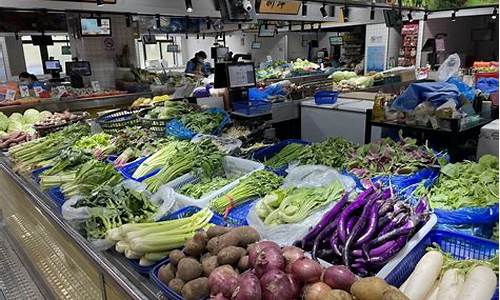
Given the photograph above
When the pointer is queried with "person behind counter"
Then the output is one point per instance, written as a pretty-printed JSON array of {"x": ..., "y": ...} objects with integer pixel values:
[
  {"x": 27, "y": 78},
  {"x": 197, "y": 65}
]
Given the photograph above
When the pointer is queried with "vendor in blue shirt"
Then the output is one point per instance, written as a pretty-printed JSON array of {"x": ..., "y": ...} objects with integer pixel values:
[
  {"x": 28, "y": 79},
  {"x": 197, "y": 65}
]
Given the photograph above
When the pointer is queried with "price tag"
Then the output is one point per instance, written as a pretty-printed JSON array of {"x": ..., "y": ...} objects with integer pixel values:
[
  {"x": 25, "y": 91},
  {"x": 96, "y": 86},
  {"x": 10, "y": 95},
  {"x": 38, "y": 90}
]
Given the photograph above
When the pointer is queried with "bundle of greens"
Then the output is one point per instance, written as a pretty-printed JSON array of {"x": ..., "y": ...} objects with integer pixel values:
[
  {"x": 205, "y": 186},
  {"x": 202, "y": 122},
  {"x": 152, "y": 241},
  {"x": 90, "y": 176},
  {"x": 158, "y": 159},
  {"x": 43, "y": 151},
  {"x": 332, "y": 153},
  {"x": 68, "y": 159},
  {"x": 293, "y": 205},
  {"x": 466, "y": 184},
  {"x": 288, "y": 154},
  {"x": 257, "y": 184},
  {"x": 142, "y": 145},
  {"x": 121, "y": 206},
  {"x": 51, "y": 181},
  {"x": 96, "y": 141},
  {"x": 170, "y": 110},
  {"x": 387, "y": 157},
  {"x": 203, "y": 158}
]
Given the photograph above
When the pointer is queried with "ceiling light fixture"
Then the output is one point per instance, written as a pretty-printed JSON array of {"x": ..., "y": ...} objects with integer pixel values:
[
  {"x": 209, "y": 23},
  {"x": 323, "y": 11},
  {"x": 494, "y": 15},
  {"x": 189, "y": 6},
  {"x": 302, "y": 26},
  {"x": 345, "y": 11},
  {"x": 332, "y": 11},
  {"x": 454, "y": 16},
  {"x": 426, "y": 15},
  {"x": 158, "y": 21},
  {"x": 304, "y": 9},
  {"x": 372, "y": 13},
  {"x": 128, "y": 20},
  {"x": 289, "y": 26},
  {"x": 410, "y": 17},
  {"x": 100, "y": 2}
]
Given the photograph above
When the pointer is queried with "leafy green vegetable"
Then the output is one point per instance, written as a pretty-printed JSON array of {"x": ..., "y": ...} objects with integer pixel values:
[
  {"x": 293, "y": 205},
  {"x": 466, "y": 184},
  {"x": 288, "y": 154},
  {"x": 332, "y": 153},
  {"x": 67, "y": 159},
  {"x": 4, "y": 122},
  {"x": 157, "y": 160},
  {"x": 464, "y": 265},
  {"x": 205, "y": 186},
  {"x": 257, "y": 184},
  {"x": 170, "y": 110},
  {"x": 31, "y": 116},
  {"x": 202, "y": 122},
  {"x": 99, "y": 140}
]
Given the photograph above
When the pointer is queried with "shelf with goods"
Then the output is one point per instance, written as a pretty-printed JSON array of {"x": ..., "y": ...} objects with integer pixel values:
[
  {"x": 141, "y": 272},
  {"x": 408, "y": 52}
]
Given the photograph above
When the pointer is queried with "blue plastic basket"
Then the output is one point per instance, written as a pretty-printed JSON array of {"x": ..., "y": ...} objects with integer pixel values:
[
  {"x": 460, "y": 246},
  {"x": 128, "y": 170},
  {"x": 238, "y": 215},
  {"x": 326, "y": 97},
  {"x": 170, "y": 294},
  {"x": 56, "y": 195},
  {"x": 177, "y": 129},
  {"x": 250, "y": 108},
  {"x": 191, "y": 210},
  {"x": 144, "y": 271},
  {"x": 36, "y": 173},
  {"x": 266, "y": 153},
  {"x": 111, "y": 158}
]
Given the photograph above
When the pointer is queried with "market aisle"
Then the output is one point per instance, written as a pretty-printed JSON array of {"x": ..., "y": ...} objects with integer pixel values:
[{"x": 15, "y": 282}]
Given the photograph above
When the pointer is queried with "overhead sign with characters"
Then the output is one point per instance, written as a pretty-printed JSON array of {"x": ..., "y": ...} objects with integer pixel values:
[{"x": 280, "y": 7}]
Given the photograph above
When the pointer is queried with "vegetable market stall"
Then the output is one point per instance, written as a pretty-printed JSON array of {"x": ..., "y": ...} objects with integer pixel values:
[{"x": 59, "y": 258}]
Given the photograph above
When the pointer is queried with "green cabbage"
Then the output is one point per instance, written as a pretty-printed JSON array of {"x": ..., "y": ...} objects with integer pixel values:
[
  {"x": 16, "y": 117},
  {"x": 4, "y": 122},
  {"x": 15, "y": 126},
  {"x": 338, "y": 76},
  {"x": 31, "y": 116},
  {"x": 348, "y": 75},
  {"x": 45, "y": 114}
]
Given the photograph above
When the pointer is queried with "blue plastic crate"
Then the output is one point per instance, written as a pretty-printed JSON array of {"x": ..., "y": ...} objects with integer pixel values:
[
  {"x": 326, "y": 97},
  {"x": 36, "y": 173},
  {"x": 177, "y": 129},
  {"x": 460, "y": 246},
  {"x": 250, "y": 108},
  {"x": 170, "y": 294},
  {"x": 189, "y": 211},
  {"x": 128, "y": 170},
  {"x": 266, "y": 153},
  {"x": 110, "y": 159},
  {"x": 144, "y": 271},
  {"x": 56, "y": 195},
  {"x": 238, "y": 215}
]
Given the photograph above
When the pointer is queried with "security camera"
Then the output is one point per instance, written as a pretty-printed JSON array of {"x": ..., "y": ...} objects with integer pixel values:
[{"x": 247, "y": 5}]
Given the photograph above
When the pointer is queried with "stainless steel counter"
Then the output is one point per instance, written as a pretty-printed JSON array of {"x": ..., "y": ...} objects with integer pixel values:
[{"x": 65, "y": 264}]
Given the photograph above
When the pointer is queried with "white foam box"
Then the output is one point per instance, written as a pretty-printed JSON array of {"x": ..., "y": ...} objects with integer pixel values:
[{"x": 488, "y": 140}]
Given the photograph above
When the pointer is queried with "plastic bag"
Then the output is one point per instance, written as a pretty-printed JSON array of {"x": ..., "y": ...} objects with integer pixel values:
[
  {"x": 449, "y": 67},
  {"x": 487, "y": 85},
  {"x": 300, "y": 176},
  {"x": 478, "y": 221},
  {"x": 464, "y": 89}
]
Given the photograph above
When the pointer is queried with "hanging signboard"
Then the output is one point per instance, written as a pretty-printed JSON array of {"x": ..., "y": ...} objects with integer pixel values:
[
  {"x": 280, "y": 7},
  {"x": 336, "y": 40}
]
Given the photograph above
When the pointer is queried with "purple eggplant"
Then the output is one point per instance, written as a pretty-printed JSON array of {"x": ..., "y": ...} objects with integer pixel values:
[
  {"x": 406, "y": 229},
  {"x": 422, "y": 206},
  {"x": 351, "y": 223},
  {"x": 327, "y": 218},
  {"x": 346, "y": 213},
  {"x": 335, "y": 246},
  {"x": 358, "y": 227},
  {"x": 382, "y": 258},
  {"x": 372, "y": 225},
  {"x": 378, "y": 251},
  {"x": 327, "y": 231}
]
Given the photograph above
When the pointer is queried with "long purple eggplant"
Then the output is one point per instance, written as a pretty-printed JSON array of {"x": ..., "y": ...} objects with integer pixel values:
[
  {"x": 386, "y": 255},
  {"x": 372, "y": 226},
  {"x": 350, "y": 224},
  {"x": 327, "y": 231},
  {"x": 358, "y": 227},
  {"x": 327, "y": 218},
  {"x": 343, "y": 219},
  {"x": 403, "y": 230},
  {"x": 334, "y": 245},
  {"x": 378, "y": 251},
  {"x": 422, "y": 206}
]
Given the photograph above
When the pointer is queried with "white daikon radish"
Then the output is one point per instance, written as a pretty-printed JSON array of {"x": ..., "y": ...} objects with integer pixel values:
[
  {"x": 450, "y": 285},
  {"x": 423, "y": 277},
  {"x": 432, "y": 294},
  {"x": 480, "y": 284}
]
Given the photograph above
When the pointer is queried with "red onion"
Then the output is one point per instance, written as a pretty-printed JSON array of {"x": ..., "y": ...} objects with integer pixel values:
[
  {"x": 218, "y": 297},
  {"x": 248, "y": 287},
  {"x": 269, "y": 259},
  {"x": 276, "y": 285},
  {"x": 257, "y": 248},
  {"x": 291, "y": 254},
  {"x": 307, "y": 270},
  {"x": 223, "y": 280},
  {"x": 295, "y": 284},
  {"x": 317, "y": 291},
  {"x": 339, "y": 277}
]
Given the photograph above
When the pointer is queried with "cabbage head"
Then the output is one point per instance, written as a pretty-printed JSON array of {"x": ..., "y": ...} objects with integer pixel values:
[
  {"x": 31, "y": 116},
  {"x": 348, "y": 75},
  {"x": 338, "y": 76},
  {"x": 45, "y": 114},
  {"x": 4, "y": 122},
  {"x": 16, "y": 117}
]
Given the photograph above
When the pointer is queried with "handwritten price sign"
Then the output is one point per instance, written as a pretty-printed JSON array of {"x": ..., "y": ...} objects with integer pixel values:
[{"x": 279, "y": 7}]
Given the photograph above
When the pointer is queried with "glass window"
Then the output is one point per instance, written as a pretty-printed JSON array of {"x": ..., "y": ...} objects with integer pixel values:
[{"x": 33, "y": 59}]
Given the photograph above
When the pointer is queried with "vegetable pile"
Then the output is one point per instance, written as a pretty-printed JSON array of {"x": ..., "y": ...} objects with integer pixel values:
[
  {"x": 12, "y": 139},
  {"x": 158, "y": 159},
  {"x": 366, "y": 233},
  {"x": 203, "y": 158},
  {"x": 387, "y": 157},
  {"x": 169, "y": 110},
  {"x": 151, "y": 242},
  {"x": 205, "y": 186},
  {"x": 288, "y": 154},
  {"x": 293, "y": 205},
  {"x": 466, "y": 184},
  {"x": 57, "y": 119},
  {"x": 257, "y": 184},
  {"x": 331, "y": 153},
  {"x": 204, "y": 122},
  {"x": 438, "y": 276},
  {"x": 208, "y": 263}
]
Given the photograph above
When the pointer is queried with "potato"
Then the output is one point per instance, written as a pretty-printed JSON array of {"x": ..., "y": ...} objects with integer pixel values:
[
  {"x": 215, "y": 244},
  {"x": 189, "y": 269},
  {"x": 209, "y": 263},
  {"x": 369, "y": 288},
  {"x": 230, "y": 255},
  {"x": 194, "y": 248},
  {"x": 196, "y": 289},
  {"x": 247, "y": 235},
  {"x": 165, "y": 274},
  {"x": 339, "y": 295},
  {"x": 392, "y": 293},
  {"x": 176, "y": 285},
  {"x": 201, "y": 237},
  {"x": 243, "y": 263},
  {"x": 175, "y": 256},
  {"x": 217, "y": 231}
]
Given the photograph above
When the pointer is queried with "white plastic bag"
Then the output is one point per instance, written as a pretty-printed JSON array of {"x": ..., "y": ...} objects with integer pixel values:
[
  {"x": 300, "y": 176},
  {"x": 449, "y": 67}
]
